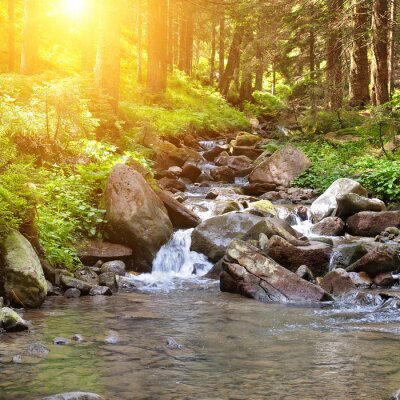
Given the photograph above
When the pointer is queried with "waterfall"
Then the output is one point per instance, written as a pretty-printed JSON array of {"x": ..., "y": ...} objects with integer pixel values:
[{"x": 173, "y": 264}]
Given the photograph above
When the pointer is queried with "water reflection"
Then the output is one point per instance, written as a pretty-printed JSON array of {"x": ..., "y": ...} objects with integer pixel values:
[{"x": 232, "y": 348}]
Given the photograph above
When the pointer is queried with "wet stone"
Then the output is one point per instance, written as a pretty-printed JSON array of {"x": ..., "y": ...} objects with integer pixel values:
[
  {"x": 108, "y": 279},
  {"x": 78, "y": 338},
  {"x": 37, "y": 350},
  {"x": 100, "y": 291},
  {"x": 117, "y": 267},
  {"x": 72, "y": 293},
  {"x": 172, "y": 344},
  {"x": 60, "y": 341},
  {"x": 74, "y": 396}
]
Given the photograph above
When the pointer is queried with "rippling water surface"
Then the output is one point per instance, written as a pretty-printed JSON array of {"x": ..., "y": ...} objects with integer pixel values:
[{"x": 232, "y": 348}]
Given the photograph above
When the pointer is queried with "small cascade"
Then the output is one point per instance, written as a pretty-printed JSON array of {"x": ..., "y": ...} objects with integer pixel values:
[
  {"x": 174, "y": 263},
  {"x": 335, "y": 261}
]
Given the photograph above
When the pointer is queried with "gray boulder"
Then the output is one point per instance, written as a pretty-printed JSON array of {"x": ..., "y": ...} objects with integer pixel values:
[
  {"x": 248, "y": 272},
  {"x": 282, "y": 167},
  {"x": 352, "y": 203},
  {"x": 329, "y": 226},
  {"x": 25, "y": 284},
  {"x": 118, "y": 267},
  {"x": 136, "y": 216},
  {"x": 213, "y": 236},
  {"x": 325, "y": 204}
]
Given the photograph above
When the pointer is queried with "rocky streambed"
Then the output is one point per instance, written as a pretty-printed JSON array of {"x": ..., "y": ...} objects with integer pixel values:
[{"x": 183, "y": 322}]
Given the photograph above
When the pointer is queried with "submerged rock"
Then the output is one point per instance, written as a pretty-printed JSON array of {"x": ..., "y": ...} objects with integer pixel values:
[
  {"x": 136, "y": 216},
  {"x": 248, "y": 272},
  {"x": 74, "y": 396},
  {"x": 38, "y": 350},
  {"x": 10, "y": 321},
  {"x": 282, "y": 167},
  {"x": 325, "y": 204},
  {"x": 213, "y": 236},
  {"x": 25, "y": 284},
  {"x": 368, "y": 223}
]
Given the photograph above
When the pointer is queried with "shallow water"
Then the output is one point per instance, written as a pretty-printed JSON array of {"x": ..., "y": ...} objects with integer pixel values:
[{"x": 233, "y": 348}]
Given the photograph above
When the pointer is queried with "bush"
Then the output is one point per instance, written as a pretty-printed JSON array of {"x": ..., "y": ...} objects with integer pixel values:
[{"x": 265, "y": 105}]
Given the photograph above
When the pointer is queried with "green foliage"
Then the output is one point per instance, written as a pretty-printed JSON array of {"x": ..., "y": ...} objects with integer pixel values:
[
  {"x": 265, "y": 105},
  {"x": 325, "y": 121}
]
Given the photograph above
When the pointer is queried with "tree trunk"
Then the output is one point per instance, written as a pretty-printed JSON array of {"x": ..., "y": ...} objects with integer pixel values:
[
  {"x": 392, "y": 42},
  {"x": 221, "y": 47},
  {"x": 380, "y": 45},
  {"x": 140, "y": 43},
  {"x": 233, "y": 60},
  {"x": 171, "y": 33},
  {"x": 213, "y": 52},
  {"x": 157, "y": 46},
  {"x": 108, "y": 52},
  {"x": 11, "y": 35},
  {"x": 186, "y": 38},
  {"x": 334, "y": 74},
  {"x": 29, "y": 55},
  {"x": 359, "y": 65},
  {"x": 89, "y": 37},
  {"x": 246, "y": 86}
]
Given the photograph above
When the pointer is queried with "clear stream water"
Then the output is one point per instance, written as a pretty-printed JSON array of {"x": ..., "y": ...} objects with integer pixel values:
[{"x": 228, "y": 347}]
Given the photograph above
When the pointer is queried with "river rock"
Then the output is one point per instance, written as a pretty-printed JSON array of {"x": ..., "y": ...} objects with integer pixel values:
[
  {"x": 361, "y": 279},
  {"x": 376, "y": 261},
  {"x": 282, "y": 167},
  {"x": 87, "y": 275},
  {"x": 180, "y": 216},
  {"x": 248, "y": 151},
  {"x": 72, "y": 293},
  {"x": 248, "y": 272},
  {"x": 337, "y": 282},
  {"x": 329, "y": 226},
  {"x": 390, "y": 234},
  {"x": 368, "y": 223},
  {"x": 70, "y": 282},
  {"x": 173, "y": 185},
  {"x": 264, "y": 208},
  {"x": 213, "y": 236},
  {"x": 168, "y": 155},
  {"x": 346, "y": 254},
  {"x": 117, "y": 267},
  {"x": 25, "y": 284},
  {"x": 136, "y": 216},
  {"x": 305, "y": 273},
  {"x": 275, "y": 226},
  {"x": 258, "y": 189},
  {"x": 212, "y": 154},
  {"x": 316, "y": 255},
  {"x": 223, "y": 174},
  {"x": 100, "y": 291},
  {"x": 326, "y": 204},
  {"x": 108, "y": 279},
  {"x": 352, "y": 203},
  {"x": 241, "y": 165},
  {"x": 246, "y": 139},
  {"x": 10, "y": 321},
  {"x": 38, "y": 350},
  {"x": 385, "y": 279},
  {"x": 74, "y": 396},
  {"x": 190, "y": 171},
  {"x": 91, "y": 251},
  {"x": 175, "y": 170}
]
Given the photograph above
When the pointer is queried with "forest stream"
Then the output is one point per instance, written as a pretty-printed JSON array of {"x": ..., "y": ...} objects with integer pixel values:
[{"x": 174, "y": 335}]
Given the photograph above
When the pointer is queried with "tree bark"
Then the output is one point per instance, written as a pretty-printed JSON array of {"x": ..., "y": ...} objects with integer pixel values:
[
  {"x": 139, "y": 28},
  {"x": 29, "y": 55},
  {"x": 392, "y": 40},
  {"x": 359, "y": 65},
  {"x": 213, "y": 53},
  {"x": 108, "y": 51},
  {"x": 157, "y": 46},
  {"x": 334, "y": 73},
  {"x": 380, "y": 45},
  {"x": 233, "y": 60},
  {"x": 221, "y": 46},
  {"x": 11, "y": 35},
  {"x": 186, "y": 38}
]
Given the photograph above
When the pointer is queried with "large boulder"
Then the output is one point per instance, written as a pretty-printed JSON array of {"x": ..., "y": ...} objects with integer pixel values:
[
  {"x": 248, "y": 272},
  {"x": 379, "y": 260},
  {"x": 181, "y": 217},
  {"x": 213, "y": 236},
  {"x": 24, "y": 281},
  {"x": 241, "y": 165},
  {"x": 352, "y": 203},
  {"x": 282, "y": 167},
  {"x": 136, "y": 216},
  {"x": 329, "y": 226},
  {"x": 369, "y": 223},
  {"x": 326, "y": 204},
  {"x": 316, "y": 255},
  {"x": 10, "y": 321}
]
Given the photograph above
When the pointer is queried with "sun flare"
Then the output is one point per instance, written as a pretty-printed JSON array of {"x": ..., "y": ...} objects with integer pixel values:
[{"x": 74, "y": 8}]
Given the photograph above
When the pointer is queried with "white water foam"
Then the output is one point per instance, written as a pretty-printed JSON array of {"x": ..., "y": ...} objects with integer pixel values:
[{"x": 174, "y": 264}]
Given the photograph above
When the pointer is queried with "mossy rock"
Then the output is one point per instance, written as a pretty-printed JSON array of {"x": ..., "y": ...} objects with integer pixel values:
[
  {"x": 246, "y": 139},
  {"x": 10, "y": 321},
  {"x": 264, "y": 206},
  {"x": 25, "y": 284}
]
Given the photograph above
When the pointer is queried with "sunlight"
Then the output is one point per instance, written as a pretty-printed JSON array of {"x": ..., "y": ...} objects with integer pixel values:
[{"x": 73, "y": 8}]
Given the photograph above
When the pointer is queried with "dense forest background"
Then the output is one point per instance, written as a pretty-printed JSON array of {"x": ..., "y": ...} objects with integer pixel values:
[{"x": 88, "y": 84}]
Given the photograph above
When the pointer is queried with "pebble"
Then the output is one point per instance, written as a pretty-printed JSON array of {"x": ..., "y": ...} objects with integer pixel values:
[
  {"x": 78, "y": 338},
  {"x": 172, "y": 344},
  {"x": 17, "y": 359},
  {"x": 60, "y": 341}
]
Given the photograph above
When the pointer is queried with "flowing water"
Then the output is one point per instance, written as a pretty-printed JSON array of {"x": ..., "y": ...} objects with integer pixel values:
[{"x": 173, "y": 335}]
